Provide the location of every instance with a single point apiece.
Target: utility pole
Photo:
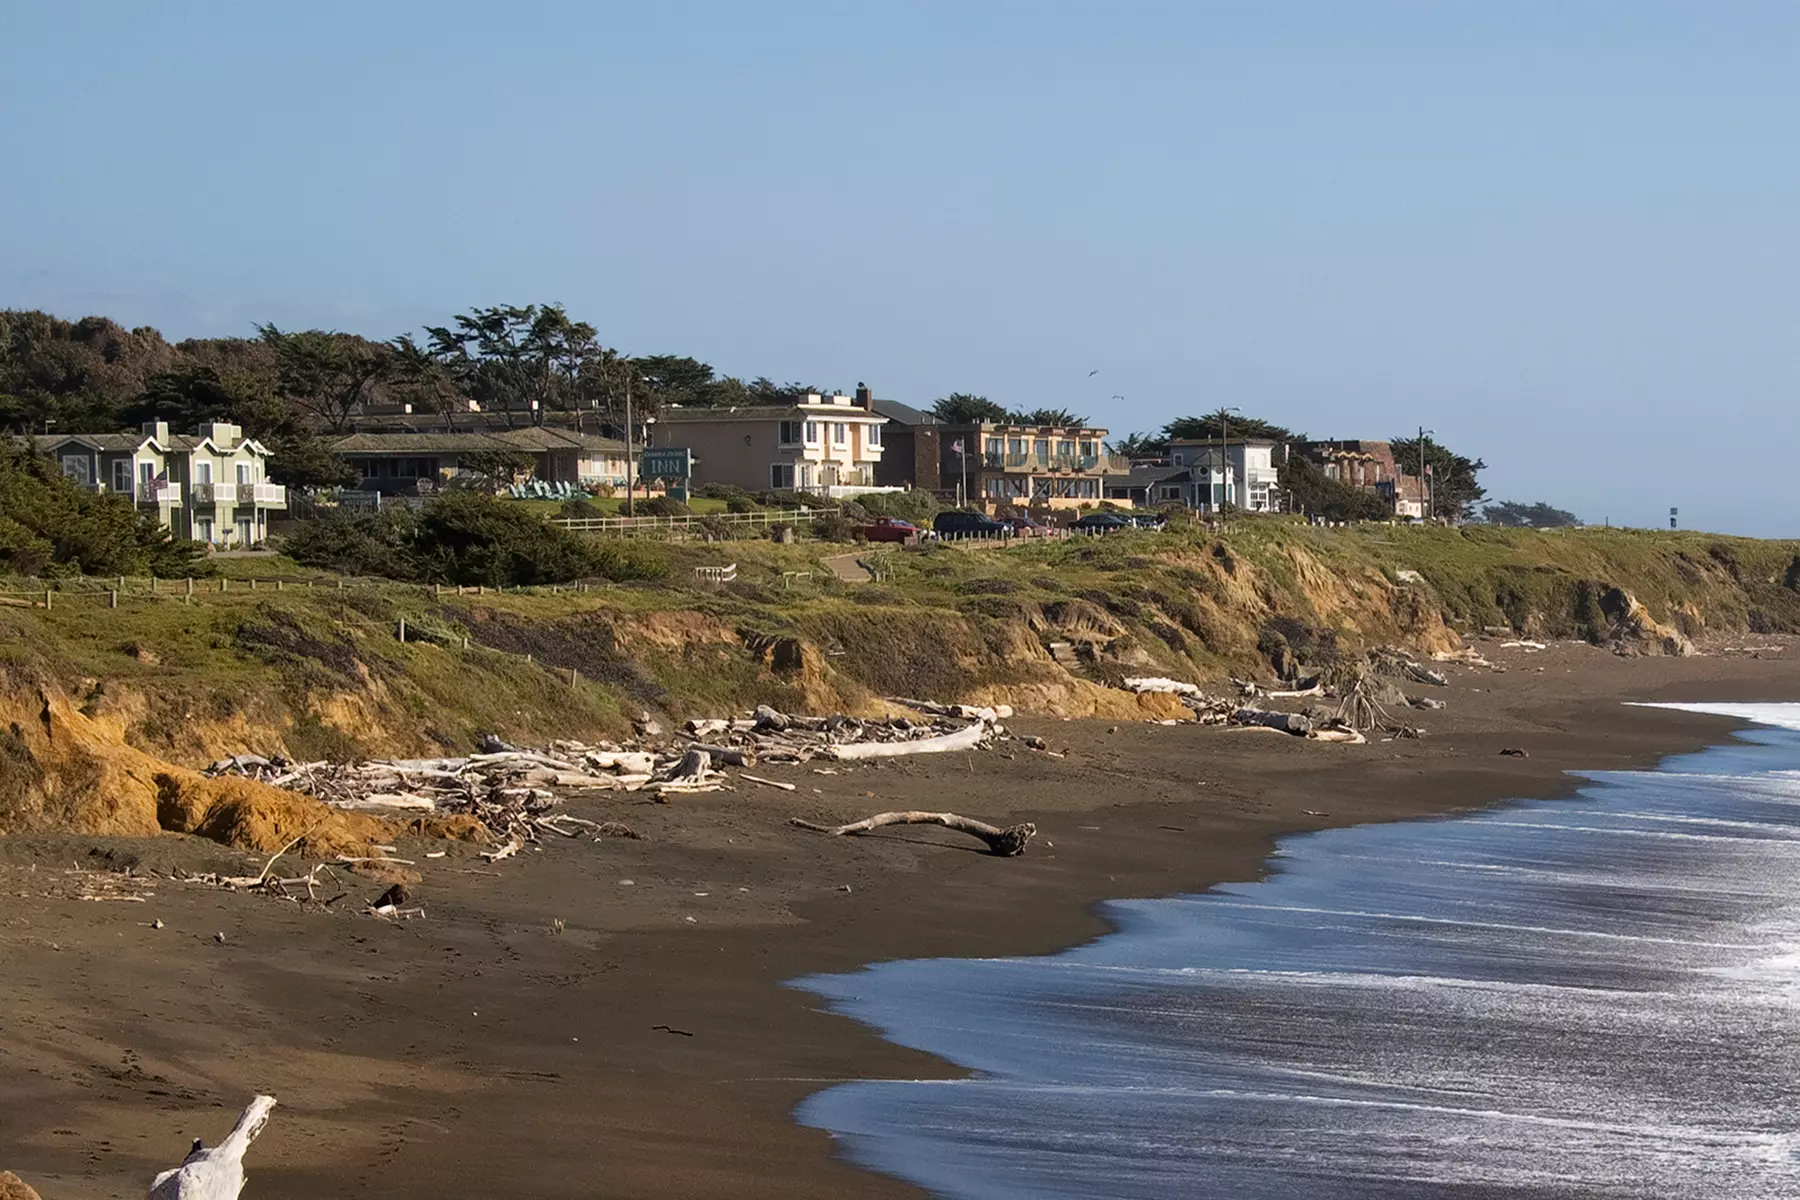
(1424, 479)
(630, 472)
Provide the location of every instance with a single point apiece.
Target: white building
(1241, 473)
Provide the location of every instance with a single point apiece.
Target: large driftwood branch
(967, 738)
(1004, 842)
(216, 1174)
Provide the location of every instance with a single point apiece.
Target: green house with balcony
(211, 486)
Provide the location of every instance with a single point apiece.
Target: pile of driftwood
(513, 791)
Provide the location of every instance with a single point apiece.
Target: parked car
(1104, 522)
(1149, 520)
(957, 524)
(889, 529)
(1024, 526)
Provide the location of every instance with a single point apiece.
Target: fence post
(224, 585)
(112, 599)
(340, 586)
(402, 629)
(253, 583)
(47, 601)
(574, 676)
(190, 587)
(278, 585)
(465, 641)
(121, 586)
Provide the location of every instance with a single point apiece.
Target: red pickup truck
(889, 529)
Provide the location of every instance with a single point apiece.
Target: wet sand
(481, 1051)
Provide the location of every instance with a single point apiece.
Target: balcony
(157, 493)
(202, 493)
(262, 495)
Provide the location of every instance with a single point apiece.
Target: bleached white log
(1156, 683)
(216, 1174)
(967, 738)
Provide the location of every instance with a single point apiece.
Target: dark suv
(969, 524)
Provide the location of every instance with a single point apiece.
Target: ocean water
(1591, 997)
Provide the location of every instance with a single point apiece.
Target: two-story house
(211, 486)
(1369, 466)
(1241, 473)
(827, 444)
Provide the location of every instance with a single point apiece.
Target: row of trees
(1455, 488)
(292, 388)
(963, 408)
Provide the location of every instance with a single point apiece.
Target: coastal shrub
(832, 527)
(470, 539)
(664, 506)
(356, 543)
(49, 525)
(741, 503)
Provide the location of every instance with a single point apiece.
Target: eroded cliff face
(103, 732)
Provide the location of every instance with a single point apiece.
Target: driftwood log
(967, 738)
(1003, 842)
(216, 1174)
(1295, 723)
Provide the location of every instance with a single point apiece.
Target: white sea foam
(1780, 716)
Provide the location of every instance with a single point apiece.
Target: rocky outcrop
(1635, 633)
(14, 1188)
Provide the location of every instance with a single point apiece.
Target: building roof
(1214, 443)
(122, 442)
(1143, 477)
(767, 412)
(904, 414)
(533, 440)
(127, 443)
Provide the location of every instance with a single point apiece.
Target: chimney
(865, 399)
(158, 430)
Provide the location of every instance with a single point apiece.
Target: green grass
(304, 661)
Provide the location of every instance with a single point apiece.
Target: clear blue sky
(1561, 234)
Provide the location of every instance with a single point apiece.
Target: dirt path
(850, 568)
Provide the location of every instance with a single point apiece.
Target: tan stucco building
(829, 444)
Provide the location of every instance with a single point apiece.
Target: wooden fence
(687, 526)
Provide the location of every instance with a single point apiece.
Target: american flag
(956, 447)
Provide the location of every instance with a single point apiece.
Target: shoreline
(441, 1055)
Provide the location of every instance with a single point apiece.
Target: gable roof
(903, 414)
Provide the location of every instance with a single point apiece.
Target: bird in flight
(1093, 372)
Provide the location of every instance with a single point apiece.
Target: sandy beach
(647, 1047)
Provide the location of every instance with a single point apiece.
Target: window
(1087, 450)
(146, 476)
(1176, 459)
(203, 529)
(790, 433)
(995, 446)
(78, 468)
(840, 434)
(1041, 448)
(781, 476)
(121, 481)
(243, 473)
(1015, 447)
(812, 433)
(246, 531)
(874, 438)
(1065, 449)
(203, 471)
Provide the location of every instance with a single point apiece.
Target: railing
(654, 525)
(164, 492)
(202, 493)
(716, 575)
(1018, 460)
(261, 493)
